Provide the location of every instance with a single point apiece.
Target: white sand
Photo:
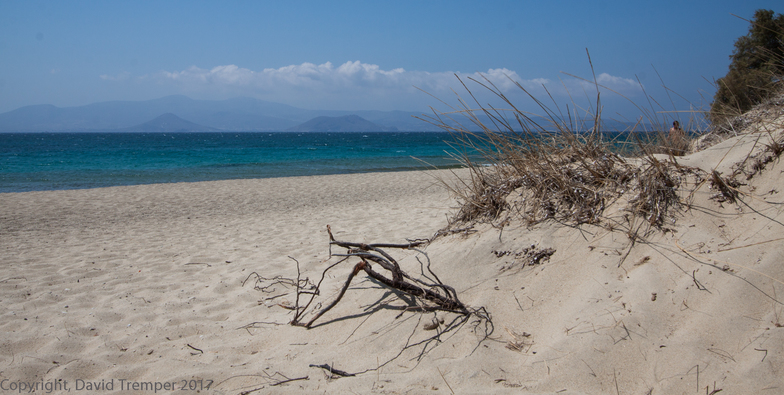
(144, 284)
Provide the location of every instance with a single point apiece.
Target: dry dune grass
(524, 168)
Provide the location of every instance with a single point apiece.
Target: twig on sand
(289, 380)
(750, 245)
(444, 378)
(197, 349)
(766, 353)
(198, 263)
(332, 370)
(615, 378)
(715, 391)
(697, 283)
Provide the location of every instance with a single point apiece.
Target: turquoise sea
(52, 161)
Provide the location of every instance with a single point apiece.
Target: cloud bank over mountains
(352, 85)
(349, 75)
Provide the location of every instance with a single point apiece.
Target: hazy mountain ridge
(238, 114)
(169, 123)
(346, 123)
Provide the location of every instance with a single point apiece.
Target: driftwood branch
(436, 295)
(356, 270)
(426, 290)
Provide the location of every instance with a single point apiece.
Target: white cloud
(119, 77)
(624, 86)
(617, 83)
(353, 84)
(349, 75)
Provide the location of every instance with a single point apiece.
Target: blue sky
(364, 55)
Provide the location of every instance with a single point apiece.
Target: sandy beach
(132, 289)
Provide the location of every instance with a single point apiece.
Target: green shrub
(757, 68)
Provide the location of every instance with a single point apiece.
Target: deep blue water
(50, 161)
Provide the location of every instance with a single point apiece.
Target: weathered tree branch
(438, 295)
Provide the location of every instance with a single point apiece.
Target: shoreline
(423, 168)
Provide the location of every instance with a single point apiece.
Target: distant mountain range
(346, 123)
(240, 114)
(169, 123)
(180, 113)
